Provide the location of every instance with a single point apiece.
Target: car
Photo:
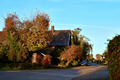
(88, 63)
(83, 63)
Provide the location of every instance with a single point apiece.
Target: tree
(98, 57)
(82, 41)
(75, 35)
(113, 56)
(35, 34)
(3, 53)
(71, 52)
(10, 33)
(26, 36)
(55, 54)
(16, 52)
(12, 21)
(85, 46)
(90, 57)
(104, 53)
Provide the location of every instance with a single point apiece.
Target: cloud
(79, 25)
(55, 0)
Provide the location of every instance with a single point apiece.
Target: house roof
(61, 38)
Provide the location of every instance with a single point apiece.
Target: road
(101, 74)
(55, 74)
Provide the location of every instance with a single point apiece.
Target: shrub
(72, 52)
(113, 56)
(47, 60)
(55, 54)
(3, 53)
(75, 63)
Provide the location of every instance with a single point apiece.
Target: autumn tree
(104, 55)
(30, 35)
(3, 53)
(82, 41)
(85, 46)
(16, 52)
(75, 35)
(90, 57)
(12, 21)
(35, 34)
(71, 52)
(98, 57)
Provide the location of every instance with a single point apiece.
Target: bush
(113, 56)
(71, 53)
(3, 53)
(47, 60)
(75, 63)
(55, 54)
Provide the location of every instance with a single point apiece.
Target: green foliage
(25, 36)
(55, 55)
(34, 34)
(16, 52)
(82, 41)
(90, 57)
(75, 63)
(113, 56)
(3, 53)
(104, 55)
(75, 35)
(86, 49)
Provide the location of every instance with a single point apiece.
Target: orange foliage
(12, 21)
(98, 57)
(30, 35)
(71, 52)
(47, 59)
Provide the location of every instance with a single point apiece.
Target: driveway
(55, 74)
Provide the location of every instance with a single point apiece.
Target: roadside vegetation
(113, 57)
(19, 38)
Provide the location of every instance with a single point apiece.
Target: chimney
(52, 29)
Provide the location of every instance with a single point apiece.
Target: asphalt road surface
(53, 74)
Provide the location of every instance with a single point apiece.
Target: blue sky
(98, 19)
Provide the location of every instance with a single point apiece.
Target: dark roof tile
(61, 38)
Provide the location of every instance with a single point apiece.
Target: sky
(98, 19)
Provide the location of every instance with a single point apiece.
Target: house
(61, 38)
